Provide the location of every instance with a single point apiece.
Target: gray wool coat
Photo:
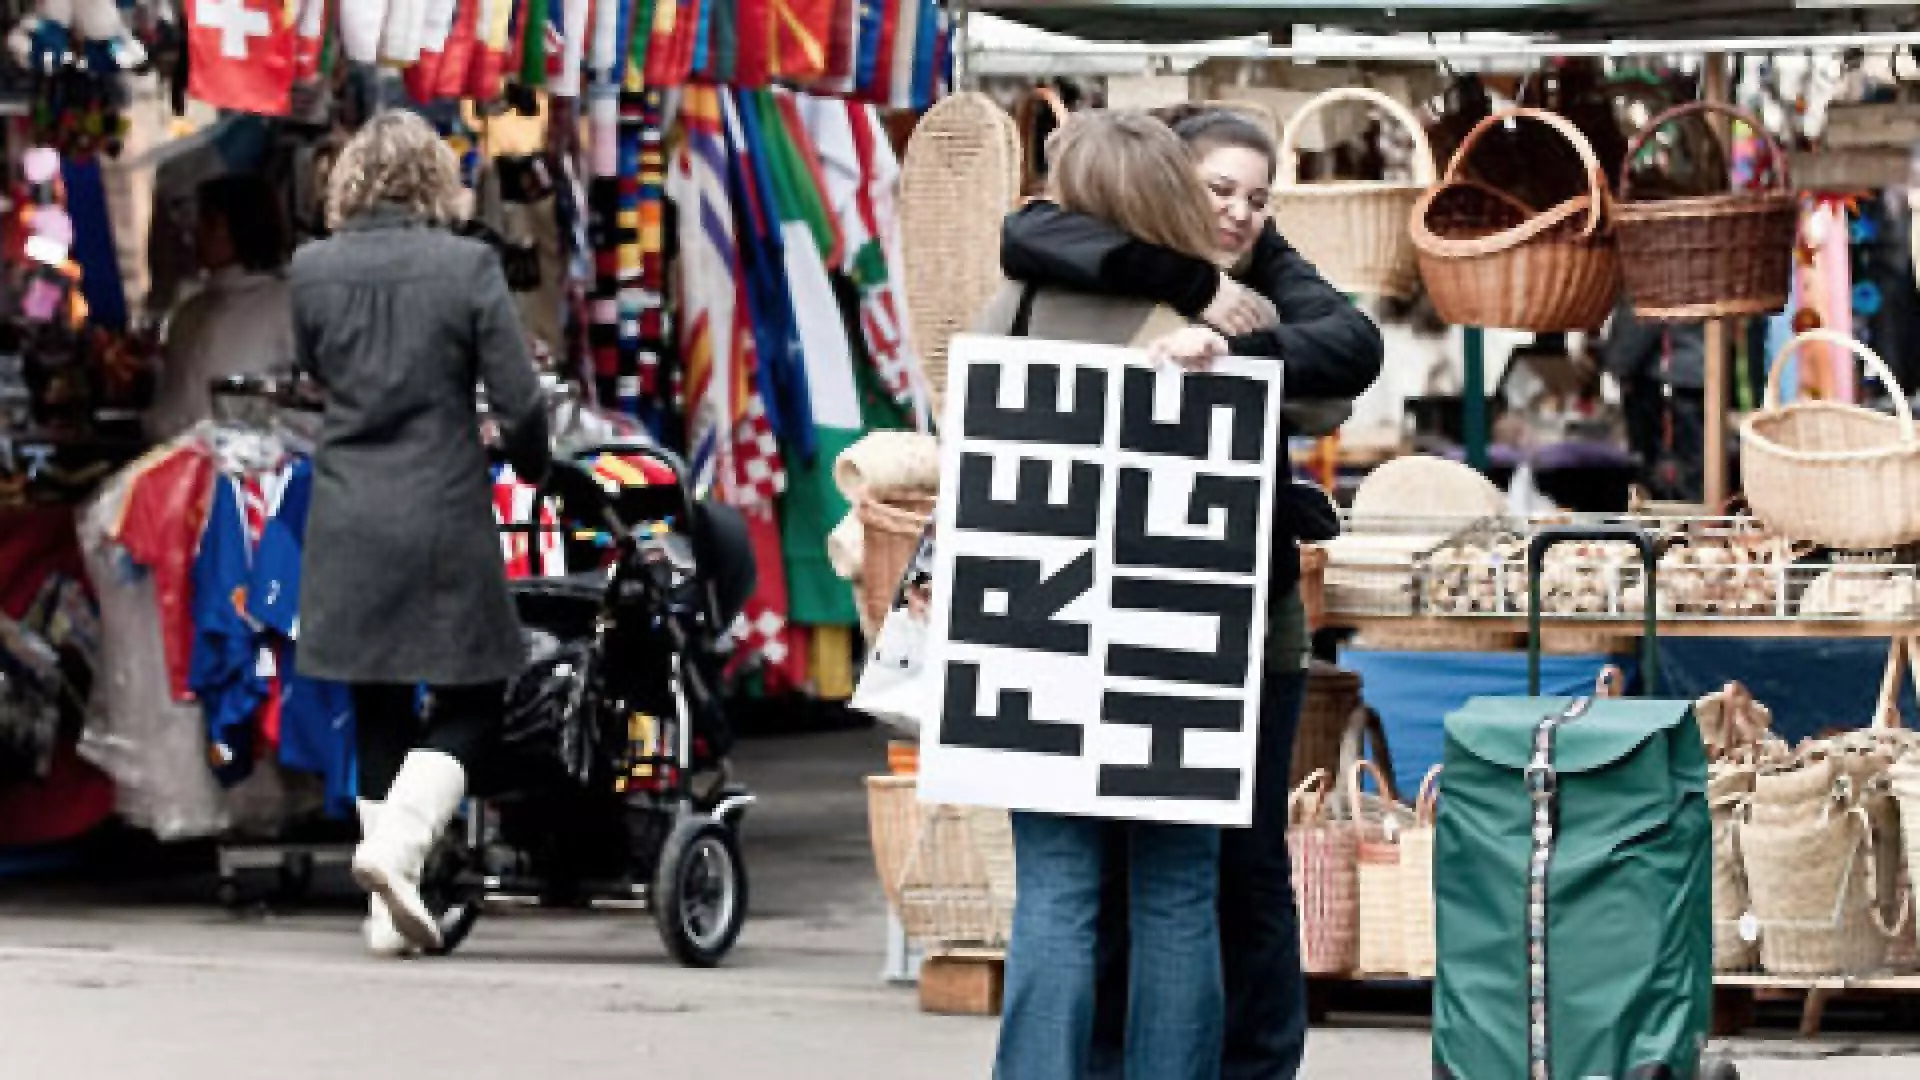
(402, 578)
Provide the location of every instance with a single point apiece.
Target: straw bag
(1708, 256)
(1807, 852)
(1830, 473)
(960, 178)
(1420, 948)
(1354, 231)
(1378, 872)
(957, 886)
(1333, 694)
(1491, 260)
(1729, 786)
(1325, 883)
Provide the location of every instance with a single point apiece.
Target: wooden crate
(963, 982)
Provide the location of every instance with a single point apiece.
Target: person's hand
(1193, 348)
(1238, 310)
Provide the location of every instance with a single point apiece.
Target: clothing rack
(289, 393)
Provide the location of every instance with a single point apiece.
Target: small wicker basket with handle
(1354, 231)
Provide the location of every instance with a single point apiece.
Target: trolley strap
(1543, 789)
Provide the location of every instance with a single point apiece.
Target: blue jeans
(1266, 1020)
(1175, 1004)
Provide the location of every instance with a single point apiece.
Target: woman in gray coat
(403, 583)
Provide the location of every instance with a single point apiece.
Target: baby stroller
(611, 783)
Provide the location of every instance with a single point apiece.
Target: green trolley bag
(1574, 880)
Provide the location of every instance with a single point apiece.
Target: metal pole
(1473, 418)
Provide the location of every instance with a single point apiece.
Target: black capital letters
(1224, 665)
(1235, 552)
(1200, 394)
(1032, 601)
(1039, 419)
(1165, 775)
(1030, 512)
(1011, 727)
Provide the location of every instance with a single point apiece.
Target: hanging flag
(753, 43)
(533, 42)
(697, 184)
(494, 30)
(240, 55)
(310, 38)
(361, 24)
(800, 32)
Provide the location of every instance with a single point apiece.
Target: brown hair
(1221, 129)
(1131, 170)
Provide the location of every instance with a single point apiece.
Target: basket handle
(1596, 176)
(1356, 773)
(1429, 799)
(1313, 787)
(1611, 683)
(1875, 366)
(1289, 165)
(1776, 156)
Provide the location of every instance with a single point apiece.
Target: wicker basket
(1810, 871)
(957, 886)
(1354, 232)
(893, 821)
(1489, 259)
(1333, 694)
(892, 534)
(1378, 874)
(960, 177)
(1417, 919)
(1828, 473)
(1729, 786)
(1325, 880)
(1708, 256)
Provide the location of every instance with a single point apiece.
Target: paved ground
(164, 985)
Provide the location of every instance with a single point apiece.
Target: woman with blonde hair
(403, 586)
(1128, 170)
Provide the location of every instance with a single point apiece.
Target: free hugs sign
(1100, 582)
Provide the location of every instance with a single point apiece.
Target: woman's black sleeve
(1044, 244)
(1329, 346)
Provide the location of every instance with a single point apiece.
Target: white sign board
(1100, 582)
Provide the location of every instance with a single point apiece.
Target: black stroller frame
(561, 825)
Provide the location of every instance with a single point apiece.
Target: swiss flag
(240, 55)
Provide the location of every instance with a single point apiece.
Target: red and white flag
(240, 55)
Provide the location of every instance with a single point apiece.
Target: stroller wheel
(450, 890)
(700, 892)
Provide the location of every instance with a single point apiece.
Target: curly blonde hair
(396, 158)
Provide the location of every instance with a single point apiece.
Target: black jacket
(1329, 347)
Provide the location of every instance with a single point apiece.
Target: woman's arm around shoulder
(1329, 346)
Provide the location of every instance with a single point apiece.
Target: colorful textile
(762, 632)
(309, 37)
(159, 528)
(697, 185)
(753, 56)
(780, 368)
(801, 29)
(531, 541)
(533, 31)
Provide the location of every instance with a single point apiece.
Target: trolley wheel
(228, 893)
(295, 880)
(450, 886)
(1718, 1068)
(700, 892)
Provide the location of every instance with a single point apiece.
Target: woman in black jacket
(1272, 303)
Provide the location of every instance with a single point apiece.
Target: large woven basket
(960, 177)
(892, 531)
(1379, 873)
(893, 823)
(1729, 786)
(1708, 256)
(1333, 693)
(1489, 259)
(1810, 871)
(1828, 473)
(1353, 231)
(957, 887)
(1325, 880)
(1417, 920)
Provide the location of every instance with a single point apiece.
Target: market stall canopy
(1189, 20)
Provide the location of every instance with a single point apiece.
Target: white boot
(421, 802)
(382, 938)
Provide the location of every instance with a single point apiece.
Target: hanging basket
(892, 535)
(1354, 231)
(1490, 260)
(1829, 473)
(1708, 256)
